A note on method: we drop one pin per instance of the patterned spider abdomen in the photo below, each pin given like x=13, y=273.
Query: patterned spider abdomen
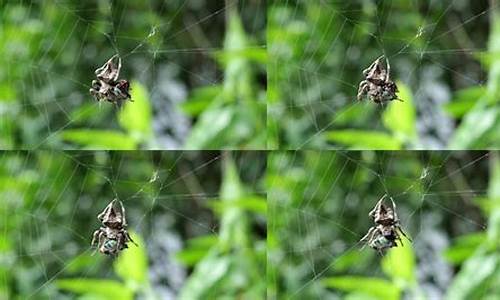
x=110, y=246
x=381, y=243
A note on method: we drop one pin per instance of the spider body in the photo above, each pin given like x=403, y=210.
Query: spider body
x=387, y=227
x=112, y=237
x=377, y=86
x=107, y=86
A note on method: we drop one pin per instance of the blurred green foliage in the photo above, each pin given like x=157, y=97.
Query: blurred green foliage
x=195, y=216
x=441, y=53
x=195, y=67
x=318, y=211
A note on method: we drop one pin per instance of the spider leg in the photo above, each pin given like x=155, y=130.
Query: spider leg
x=395, y=214
x=398, y=238
x=94, y=90
x=105, y=211
x=374, y=211
x=100, y=239
x=362, y=90
x=118, y=68
x=95, y=237
x=122, y=209
x=368, y=236
x=403, y=233
x=102, y=236
x=94, y=94
x=122, y=241
x=388, y=74
x=130, y=239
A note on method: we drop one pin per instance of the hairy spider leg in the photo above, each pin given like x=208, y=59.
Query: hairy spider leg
x=98, y=236
x=362, y=90
x=379, y=68
x=394, y=213
x=94, y=237
x=374, y=211
x=107, y=68
x=122, y=241
x=396, y=221
x=124, y=220
x=368, y=237
x=105, y=211
x=403, y=232
x=388, y=73
x=130, y=239
x=119, y=67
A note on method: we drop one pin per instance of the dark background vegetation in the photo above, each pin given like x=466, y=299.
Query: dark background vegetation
x=443, y=54
x=198, y=217
x=448, y=203
x=196, y=68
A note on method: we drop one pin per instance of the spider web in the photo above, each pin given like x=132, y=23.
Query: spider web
x=320, y=49
x=56, y=95
x=318, y=212
x=165, y=195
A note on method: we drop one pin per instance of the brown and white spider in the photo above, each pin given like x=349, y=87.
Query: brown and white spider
x=384, y=234
x=378, y=86
x=113, y=236
x=107, y=86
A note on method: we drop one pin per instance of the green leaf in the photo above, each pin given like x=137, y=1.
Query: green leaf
x=210, y=128
x=132, y=264
x=400, y=117
x=464, y=101
x=233, y=230
x=378, y=288
x=7, y=93
x=352, y=260
x=135, y=117
x=476, y=124
x=360, y=139
x=99, y=139
x=257, y=54
x=206, y=275
x=106, y=289
x=353, y=115
x=494, y=196
x=475, y=274
x=89, y=113
x=200, y=99
x=399, y=263
x=254, y=204
x=190, y=257
x=204, y=241
x=463, y=247
x=494, y=184
x=359, y=296
x=196, y=249
x=480, y=126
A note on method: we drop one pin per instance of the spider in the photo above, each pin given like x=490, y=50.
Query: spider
x=107, y=86
x=384, y=234
x=113, y=236
x=377, y=86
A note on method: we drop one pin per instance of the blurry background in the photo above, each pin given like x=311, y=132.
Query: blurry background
x=443, y=56
x=448, y=203
x=198, y=217
x=197, y=70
